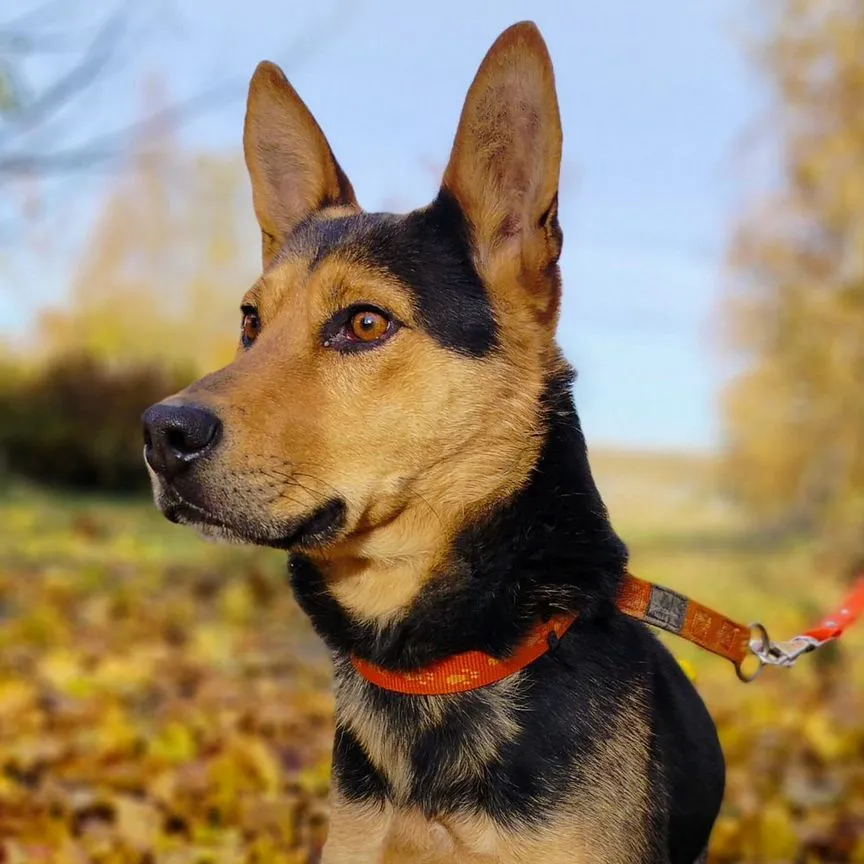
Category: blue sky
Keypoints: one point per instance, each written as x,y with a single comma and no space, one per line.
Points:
655,97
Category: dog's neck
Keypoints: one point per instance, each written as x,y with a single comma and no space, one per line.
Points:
548,548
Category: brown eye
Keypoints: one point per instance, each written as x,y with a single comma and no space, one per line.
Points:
368,326
359,328
250,327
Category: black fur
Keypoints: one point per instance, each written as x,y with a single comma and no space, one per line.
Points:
606,720
429,251
550,548
356,775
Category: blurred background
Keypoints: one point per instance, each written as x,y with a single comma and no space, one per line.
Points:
162,699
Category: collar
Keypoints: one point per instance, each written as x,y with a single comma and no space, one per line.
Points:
470,670
638,599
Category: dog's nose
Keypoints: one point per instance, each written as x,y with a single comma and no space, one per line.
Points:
176,435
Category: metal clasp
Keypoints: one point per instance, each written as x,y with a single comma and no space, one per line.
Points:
768,653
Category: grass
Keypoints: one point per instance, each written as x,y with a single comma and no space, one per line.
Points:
163,700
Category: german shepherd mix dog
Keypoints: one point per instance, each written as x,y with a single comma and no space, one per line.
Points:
399,418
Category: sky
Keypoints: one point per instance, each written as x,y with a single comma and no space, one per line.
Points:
657,100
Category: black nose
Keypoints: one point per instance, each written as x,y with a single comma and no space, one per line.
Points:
176,435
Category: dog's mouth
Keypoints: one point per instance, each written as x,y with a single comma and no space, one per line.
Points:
315,529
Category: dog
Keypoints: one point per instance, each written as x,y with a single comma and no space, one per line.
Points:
400,419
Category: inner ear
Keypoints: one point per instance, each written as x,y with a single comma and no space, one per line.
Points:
506,158
292,168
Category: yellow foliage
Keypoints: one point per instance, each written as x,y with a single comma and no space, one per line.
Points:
165,700
775,838
174,745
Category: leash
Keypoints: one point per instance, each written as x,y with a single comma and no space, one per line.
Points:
712,631
655,605
831,627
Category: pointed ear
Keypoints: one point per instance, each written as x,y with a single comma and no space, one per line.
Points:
291,165
505,163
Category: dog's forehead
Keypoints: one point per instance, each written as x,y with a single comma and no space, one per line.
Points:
427,251
323,235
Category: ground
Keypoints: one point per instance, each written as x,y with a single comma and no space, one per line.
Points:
163,701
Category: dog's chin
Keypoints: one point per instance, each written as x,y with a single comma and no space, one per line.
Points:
207,527
306,532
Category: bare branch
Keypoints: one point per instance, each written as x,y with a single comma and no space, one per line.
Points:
43,145
26,44
32,18
84,73
104,149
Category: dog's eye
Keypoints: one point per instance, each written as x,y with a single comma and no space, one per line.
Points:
250,327
368,325
358,328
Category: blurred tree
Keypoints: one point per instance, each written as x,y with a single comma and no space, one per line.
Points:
76,422
795,415
148,309
162,270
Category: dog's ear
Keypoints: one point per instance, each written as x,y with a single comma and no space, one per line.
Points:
504,168
291,165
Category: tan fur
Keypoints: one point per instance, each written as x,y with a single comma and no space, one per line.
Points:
416,439
370,429
596,823
292,168
504,172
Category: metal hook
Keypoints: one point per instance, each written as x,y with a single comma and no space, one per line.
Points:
770,653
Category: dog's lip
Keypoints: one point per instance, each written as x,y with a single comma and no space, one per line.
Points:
177,507
321,525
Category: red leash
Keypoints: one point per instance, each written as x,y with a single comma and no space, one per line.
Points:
645,601
786,653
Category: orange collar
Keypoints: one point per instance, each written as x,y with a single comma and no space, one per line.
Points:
470,670
642,600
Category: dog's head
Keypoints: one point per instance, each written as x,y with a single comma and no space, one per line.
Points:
388,382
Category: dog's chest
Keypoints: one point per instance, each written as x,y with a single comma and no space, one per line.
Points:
391,835
444,761
412,837
420,744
